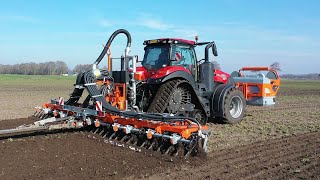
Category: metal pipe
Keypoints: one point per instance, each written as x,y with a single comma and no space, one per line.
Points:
206,52
109,59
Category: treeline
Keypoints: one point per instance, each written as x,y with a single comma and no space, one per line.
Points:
82,67
46,68
301,76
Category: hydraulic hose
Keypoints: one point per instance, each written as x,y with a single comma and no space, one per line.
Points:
105,49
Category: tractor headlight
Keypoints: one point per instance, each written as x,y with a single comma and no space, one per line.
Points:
96,71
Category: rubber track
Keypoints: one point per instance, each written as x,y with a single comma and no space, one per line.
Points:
162,98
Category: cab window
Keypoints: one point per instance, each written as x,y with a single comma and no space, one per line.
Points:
183,56
156,56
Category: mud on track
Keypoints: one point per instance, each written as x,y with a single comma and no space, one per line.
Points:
77,155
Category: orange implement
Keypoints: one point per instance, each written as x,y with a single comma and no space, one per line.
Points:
261,89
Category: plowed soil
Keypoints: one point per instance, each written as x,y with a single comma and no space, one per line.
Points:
80,155
280,142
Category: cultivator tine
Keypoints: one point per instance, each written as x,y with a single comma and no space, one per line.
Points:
35,113
129,140
170,149
123,138
95,132
117,136
93,129
151,145
179,151
43,116
102,131
38,115
133,140
112,135
106,134
188,153
144,143
160,147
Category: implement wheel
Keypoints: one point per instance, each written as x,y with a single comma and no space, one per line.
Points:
200,116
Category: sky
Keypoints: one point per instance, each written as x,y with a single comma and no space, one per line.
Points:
247,32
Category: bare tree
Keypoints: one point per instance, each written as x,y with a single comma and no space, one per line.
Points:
276,66
82,67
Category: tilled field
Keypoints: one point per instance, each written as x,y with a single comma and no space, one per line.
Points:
280,142
80,155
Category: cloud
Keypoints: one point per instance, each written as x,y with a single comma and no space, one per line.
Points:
154,24
151,21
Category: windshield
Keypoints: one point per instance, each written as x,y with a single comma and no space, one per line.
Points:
156,56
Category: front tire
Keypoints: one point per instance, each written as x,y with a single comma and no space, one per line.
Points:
234,106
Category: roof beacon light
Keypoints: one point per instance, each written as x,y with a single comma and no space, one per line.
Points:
196,38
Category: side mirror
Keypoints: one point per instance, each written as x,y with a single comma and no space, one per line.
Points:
214,50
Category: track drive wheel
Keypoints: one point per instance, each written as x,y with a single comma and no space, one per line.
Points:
234,106
171,96
180,95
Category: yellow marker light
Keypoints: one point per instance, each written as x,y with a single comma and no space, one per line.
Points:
153,41
97,123
115,128
149,135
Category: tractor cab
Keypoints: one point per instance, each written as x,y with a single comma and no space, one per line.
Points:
161,53
172,54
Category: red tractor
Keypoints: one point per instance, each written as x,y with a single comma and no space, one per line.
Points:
172,80
162,105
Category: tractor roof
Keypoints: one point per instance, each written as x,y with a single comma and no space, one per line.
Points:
168,41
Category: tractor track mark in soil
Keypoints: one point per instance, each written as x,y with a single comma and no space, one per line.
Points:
258,146
263,163
281,171
244,163
266,164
